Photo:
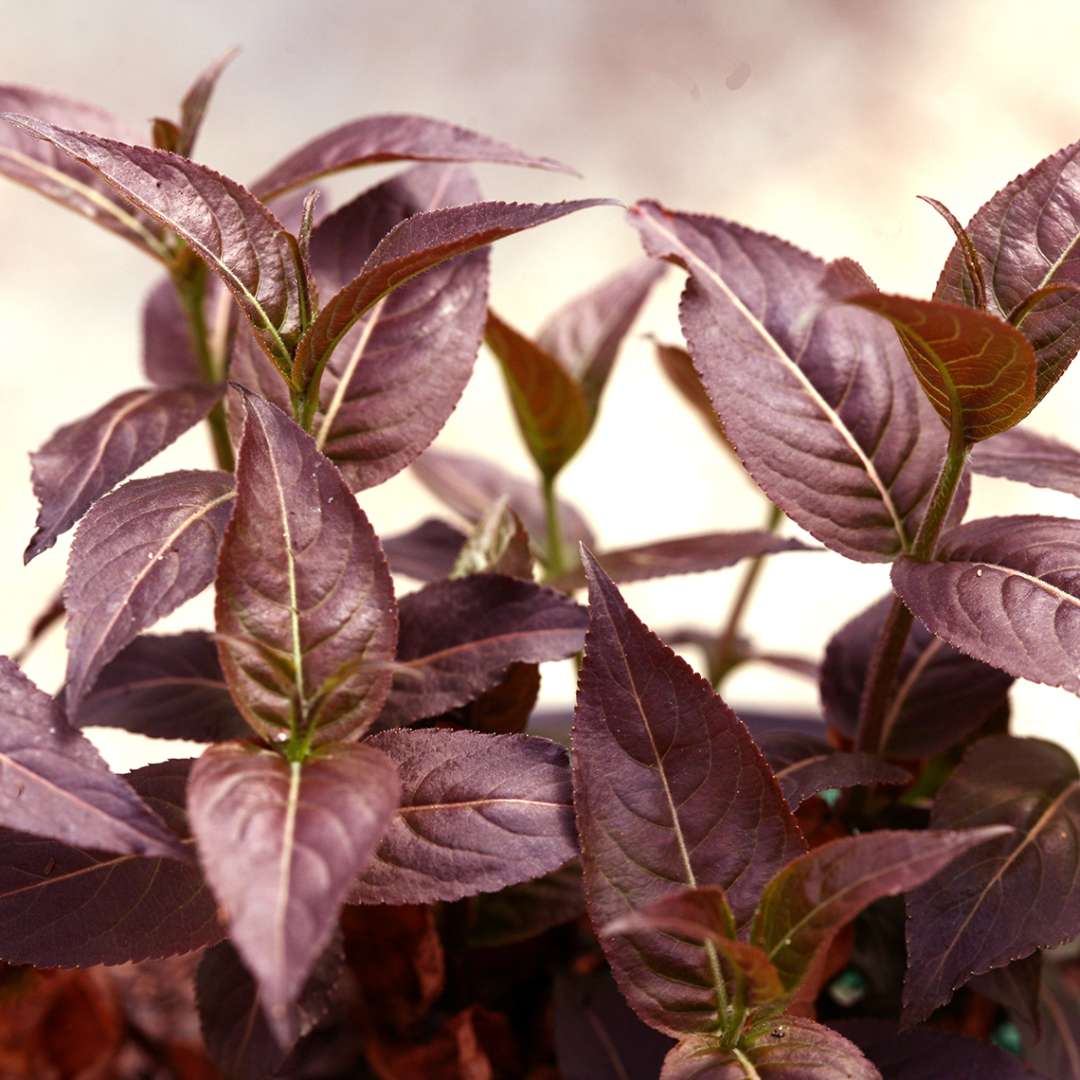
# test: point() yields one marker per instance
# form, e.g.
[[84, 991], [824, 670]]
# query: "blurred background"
[[817, 120]]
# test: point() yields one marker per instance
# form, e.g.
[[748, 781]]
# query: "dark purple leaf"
[[498, 544], [39, 166], [1057, 1051], [941, 697], [585, 335], [83, 460], [684, 555], [520, 912], [763, 724], [824, 412], [679, 368], [427, 552], [478, 812], [1005, 590], [53, 782], [234, 1027], [305, 603], [1026, 236], [1030, 458], [1015, 987], [43, 622], [169, 357], [1013, 894], [391, 137], [168, 687], [926, 1054], [670, 791], [786, 1048], [469, 485], [139, 553], [598, 1037], [967, 252], [280, 843], [239, 239], [64, 906], [458, 637], [391, 385], [195, 101]]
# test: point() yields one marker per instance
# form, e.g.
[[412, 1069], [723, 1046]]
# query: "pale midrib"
[[747, 1065], [900, 699], [811, 391], [468, 804], [284, 882], [1053, 590]]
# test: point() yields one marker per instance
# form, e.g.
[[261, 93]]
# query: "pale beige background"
[[819, 121]]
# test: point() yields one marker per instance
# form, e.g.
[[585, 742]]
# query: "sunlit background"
[[818, 121]]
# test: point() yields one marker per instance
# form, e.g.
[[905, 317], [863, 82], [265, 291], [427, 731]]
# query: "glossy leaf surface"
[[670, 790], [84, 460], [305, 604], [280, 843], [478, 813], [823, 411], [1030, 458], [1005, 590], [1015, 893], [139, 553]]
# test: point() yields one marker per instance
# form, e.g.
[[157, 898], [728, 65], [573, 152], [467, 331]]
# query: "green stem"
[[725, 657], [881, 677], [556, 557]]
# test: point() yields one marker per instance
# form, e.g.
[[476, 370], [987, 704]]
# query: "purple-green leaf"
[[1013, 894], [139, 553], [670, 791], [458, 637], [305, 604], [1006, 591], [391, 137], [167, 687], [498, 544], [820, 404], [87, 458], [66, 906], [478, 813], [1030, 458], [280, 843], [427, 552], [941, 696]]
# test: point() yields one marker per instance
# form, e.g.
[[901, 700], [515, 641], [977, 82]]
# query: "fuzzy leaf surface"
[[427, 552], [1027, 239], [305, 604], [63, 905], [85, 459], [823, 411], [1005, 590], [280, 843], [1030, 458], [670, 791], [391, 137], [942, 694], [458, 637], [1013, 894], [166, 686], [139, 553], [478, 813]]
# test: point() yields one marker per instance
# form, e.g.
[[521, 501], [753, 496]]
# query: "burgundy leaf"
[[1030, 458], [39, 166], [679, 368], [967, 251], [1013, 894], [44, 621], [478, 812], [427, 553], [239, 239], [458, 637], [469, 485], [396, 378], [234, 1027], [169, 357], [585, 335], [520, 912], [391, 137], [1005, 590], [1057, 1051], [1015, 987], [139, 553], [1026, 237], [787, 1048], [53, 782], [928, 1054], [85, 459], [64, 906], [685, 555], [498, 544], [195, 101], [670, 790], [168, 687], [305, 603], [417, 244], [280, 843], [942, 696], [824, 412]]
